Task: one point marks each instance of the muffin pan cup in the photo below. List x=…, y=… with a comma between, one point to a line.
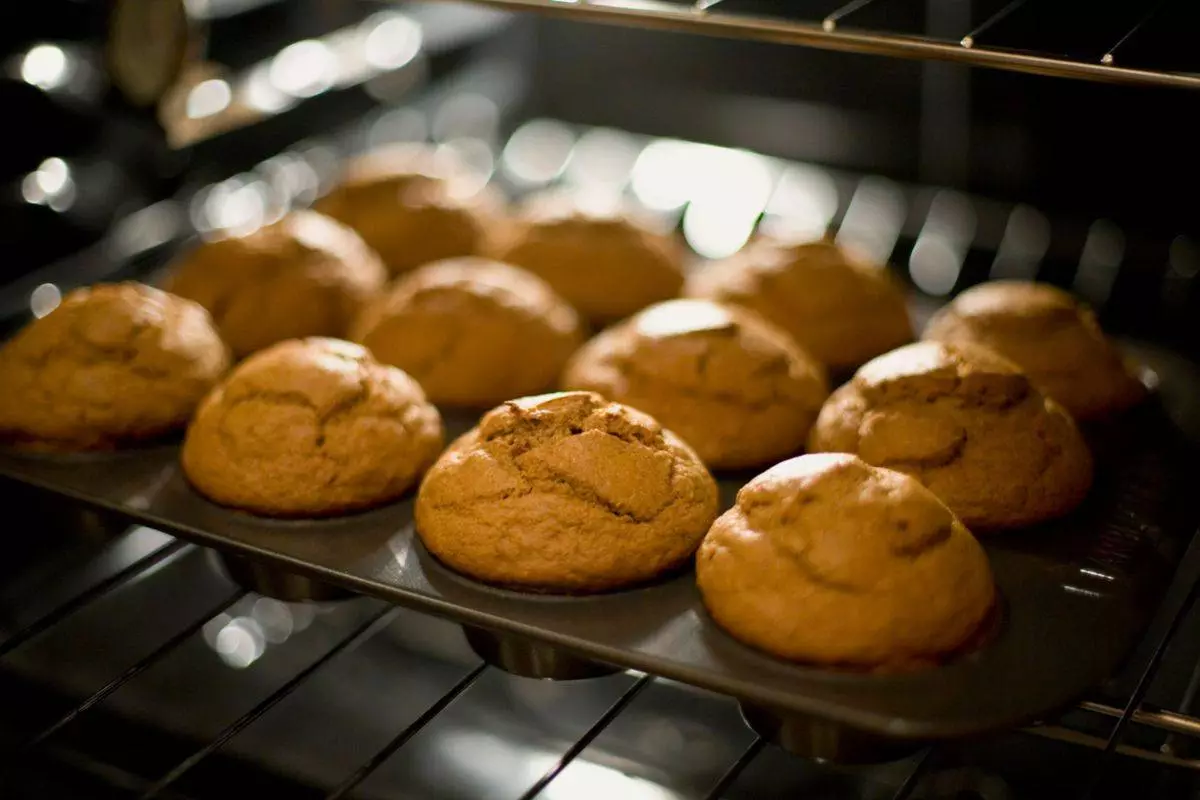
x=527, y=658
x=281, y=584
x=1077, y=593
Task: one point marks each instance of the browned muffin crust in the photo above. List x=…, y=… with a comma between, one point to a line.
x=311, y=428
x=966, y=423
x=734, y=387
x=305, y=275
x=413, y=206
x=605, y=262
x=568, y=493
x=827, y=560
x=838, y=307
x=1053, y=337
x=112, y=365
x=473, y=332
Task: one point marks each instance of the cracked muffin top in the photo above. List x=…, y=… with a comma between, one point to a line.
x=566, y=492
x=968, y=424
x=311, y=428
x=305, y=275
x=1050, y=335
x=841, y=309
x=413, y=206
x=112, y=365
x=473, y=332
x=604, y=261
x=827, y=560
x=736, y=388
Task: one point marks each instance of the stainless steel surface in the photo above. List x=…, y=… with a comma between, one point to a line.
x=708, y=18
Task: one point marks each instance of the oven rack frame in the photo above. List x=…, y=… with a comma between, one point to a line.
x=836, y=31
x=1132, y=714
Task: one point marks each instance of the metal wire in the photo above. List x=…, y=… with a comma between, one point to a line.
x=141, y=666
x=735, y=769
x=833, y=18
x=599, y=725
x=666, y=16
x=919, y=770
x=1110, y=54
x=49, y=620
x=969, y=39
x=374, y=762
x=360, y=634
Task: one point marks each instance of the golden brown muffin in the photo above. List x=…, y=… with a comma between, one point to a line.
x=736, y=388
x=311, y=428
x=306, y=275
x=827, y=560
x=1050, y=335
x=566, y=492
x=413, y=206
x=112, y=365
x=472, y=332
x=606, y=263
x=969, y=425
x=839, y=308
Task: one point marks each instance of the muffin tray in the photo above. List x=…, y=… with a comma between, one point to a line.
x=1076, y=593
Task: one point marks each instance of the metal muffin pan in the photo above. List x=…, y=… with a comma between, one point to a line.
x=1077, y=593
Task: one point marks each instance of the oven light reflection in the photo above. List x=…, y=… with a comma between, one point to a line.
x=392, y=42
x=537, y=152
x=802, y=206
x=724, y=210
x=664, y=175
x=44, y=299
x=304, y=69
x=46, y=66
x=242, y=638
x=51, y=184
x=208, y=98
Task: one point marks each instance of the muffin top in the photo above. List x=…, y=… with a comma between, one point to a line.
x=1054, y=338
x=566, y=492
x=969, y=425
x=473, y=332
x=735, y=387
x=113, y=363
x=838, y=307
x=413, y=205
x=606, y=262
x=311, y=427
x=304, y=275
x=828, y=560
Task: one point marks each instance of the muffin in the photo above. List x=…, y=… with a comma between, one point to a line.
x=412, y=206
x=305, y=275
x=736, y=388
x=311, y=428
x=841, y=309
x=606, y=263
x=112, y=365
x=827, y=560
x=472, y=332
x=1051, y=336
x=969, y=425
x=566, y=493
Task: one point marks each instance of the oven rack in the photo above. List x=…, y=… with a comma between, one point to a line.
x=836, y=29
x=1129, y=715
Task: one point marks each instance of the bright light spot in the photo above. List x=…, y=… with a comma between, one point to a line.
x=45, y=66
x=873, y=219
x=465, y=115
x=260, y=92
x=1024, y=244
x=240, y=643
x=274, y=619
x=213, y=628
x=604, y=157
x=934, y=265
x=50, y=185
x=208, y=98
x=1099, y=262
x=304, y=69
x=538, y=152
x=724, y=209
x=393, y=41
x=44, y=299
x=664, y=175
x=585, y=780
x=803, y=204
x=476, y=154
x=237, y=205
x=1185, y=257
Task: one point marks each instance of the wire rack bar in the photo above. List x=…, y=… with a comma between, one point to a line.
x=141, y=666
x=93, y=593
x=591, y=733
x=374, y=762
x=1169, y=721
x=837, y=15
x=735, y=769
x=1060, y=733
x=360, y=635
x=665, y=16
x=918, y=772
x=108, y=774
